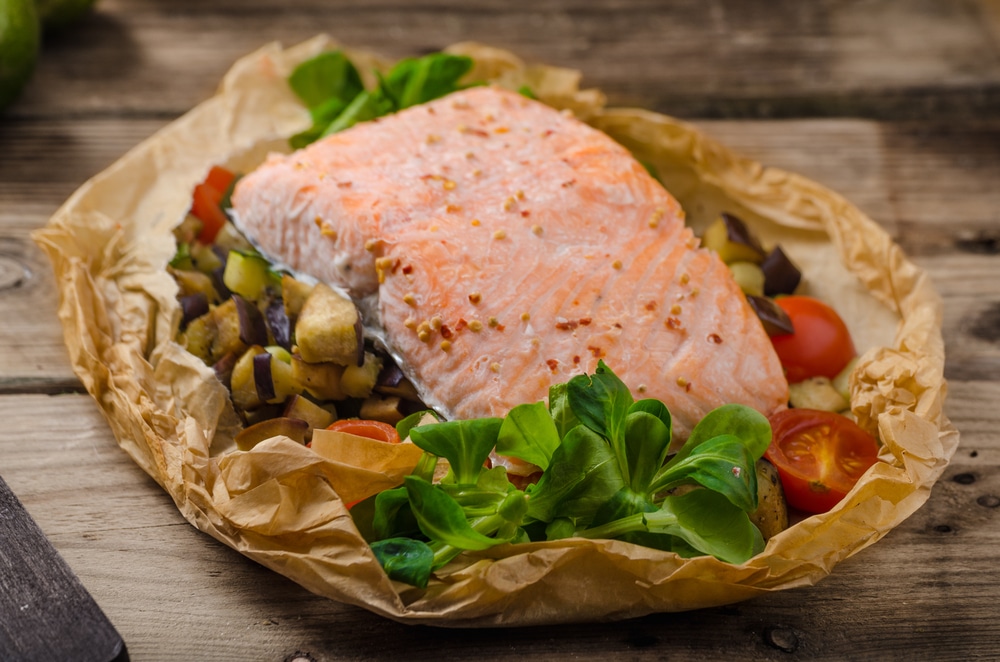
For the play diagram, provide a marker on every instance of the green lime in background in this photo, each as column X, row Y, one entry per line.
column 19, row 44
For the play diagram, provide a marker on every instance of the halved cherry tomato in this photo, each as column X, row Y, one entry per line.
column 819, row 456
column 205, row 203
column 365, row 428
column 821, row 345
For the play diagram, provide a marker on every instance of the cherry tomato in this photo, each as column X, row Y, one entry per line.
column 819, row 456
column 205, row 203
column 821, row 345
column 365, row 428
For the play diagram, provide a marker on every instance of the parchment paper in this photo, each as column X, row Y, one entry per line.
column 278, row 504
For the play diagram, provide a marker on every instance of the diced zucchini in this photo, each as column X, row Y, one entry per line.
column 358, row 381
column 243, row 386
column 204, row 258
column 193, row 282
column 749, row 277
column 328, row 328
column 320, row 380
column 731, row 239
column 249, row 275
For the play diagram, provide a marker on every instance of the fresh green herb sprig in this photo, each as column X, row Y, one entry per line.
column 332, row 90
column 606, row 473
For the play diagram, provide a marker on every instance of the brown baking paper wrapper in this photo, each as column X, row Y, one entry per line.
column 278, row 504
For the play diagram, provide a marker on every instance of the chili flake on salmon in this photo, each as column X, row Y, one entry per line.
column 503, row 246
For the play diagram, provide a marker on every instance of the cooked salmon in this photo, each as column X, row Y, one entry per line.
column 508, row 247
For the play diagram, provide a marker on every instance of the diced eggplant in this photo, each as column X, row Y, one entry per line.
column 244, row 384
column 224, row 368
column 328, row 328
column 781, row 276
column 358, row 381
column 194, row 282
column 301, row 407
column 771, row 516
column 388, row 409
column 278, row 323
column 729, row 237
column 775, row 320
column 253, row 329
column 218, row 277
column 193, row 306
column 320, row 380
column 392, row 381
column 227, row 330
column 263, row 380
column 188, row 230
column 293, row 428
column 205, row 258
column 749, row 277
column 294, row 293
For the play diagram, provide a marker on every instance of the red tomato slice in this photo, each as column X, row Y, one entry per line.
column 819, row 455
column 206, row 200
column 365, row 428
column 821, row 345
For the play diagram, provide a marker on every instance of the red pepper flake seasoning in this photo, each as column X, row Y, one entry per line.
column 446, row 331
column 596, row 351
column 553, row 364
column 568, row 183
column 651, row 305
column 547, row 132
column 408, row 269
column 344, row 184
column 461, row 325
column 576, row 360
column 715, row 337
column 672, row 323
column 475, row 298
column 525, row 213
column 617, row 325
column 567, row 325
column 585, row 321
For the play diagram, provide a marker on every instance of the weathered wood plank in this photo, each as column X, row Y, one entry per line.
column 882, row 58
column 923, row 588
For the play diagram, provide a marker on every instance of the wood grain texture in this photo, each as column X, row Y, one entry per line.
column 175, row 594
column 888, row 59
column 893, row 103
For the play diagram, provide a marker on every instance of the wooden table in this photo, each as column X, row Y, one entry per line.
column 894, row 103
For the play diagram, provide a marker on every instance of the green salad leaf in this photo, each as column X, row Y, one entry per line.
column 331, row 88
column 605, row 470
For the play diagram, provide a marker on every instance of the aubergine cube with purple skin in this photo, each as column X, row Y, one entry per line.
column 781, row 276
column 223, row 368
column 329, row 329
column 193, row 306
column 253, row 329
column 278, row 323
column 732, row 240
column 775, row 320
column 391, row 381
column 263, row 379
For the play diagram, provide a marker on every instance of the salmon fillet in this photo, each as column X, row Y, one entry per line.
column 505, row 247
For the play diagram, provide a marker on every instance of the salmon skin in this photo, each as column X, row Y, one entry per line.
column 504, row 246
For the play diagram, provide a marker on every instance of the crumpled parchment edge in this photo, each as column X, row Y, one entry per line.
column 109, row 244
